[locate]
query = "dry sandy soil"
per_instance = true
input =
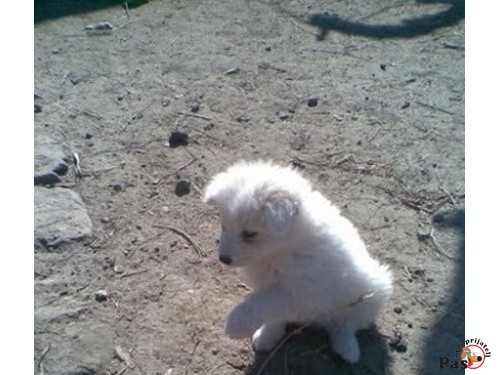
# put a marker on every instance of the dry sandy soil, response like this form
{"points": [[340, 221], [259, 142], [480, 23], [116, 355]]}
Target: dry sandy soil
{"points": [[366, 98]]}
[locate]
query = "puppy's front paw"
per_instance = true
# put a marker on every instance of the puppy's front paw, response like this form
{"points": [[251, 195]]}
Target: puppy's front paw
{"points": [[345, 343], [242, 322], [267, 336]]}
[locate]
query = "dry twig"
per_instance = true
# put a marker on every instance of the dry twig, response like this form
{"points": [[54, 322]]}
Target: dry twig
{"points": [[40, 365], [127, 274], [186, 236], [435, 244], [124, 356]]}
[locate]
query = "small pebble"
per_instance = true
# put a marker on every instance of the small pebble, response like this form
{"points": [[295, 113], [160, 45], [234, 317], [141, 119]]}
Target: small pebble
{"points": [[195, 105], [398, 310], [283, 115], [405, 105], [383, 67], [313, 102], [234, 70], [88, 136], [101, 296], [118, 269], [38, 108], [100, 26], [182, 187]]}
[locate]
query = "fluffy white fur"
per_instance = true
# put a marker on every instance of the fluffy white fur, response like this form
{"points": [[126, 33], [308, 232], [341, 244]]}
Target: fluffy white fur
{"points": [[305, 262]]}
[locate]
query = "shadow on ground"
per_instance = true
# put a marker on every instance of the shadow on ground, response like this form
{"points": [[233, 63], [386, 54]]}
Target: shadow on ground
{"points": [[309, 353], [406, 29], [446, 335], [51, 9]]}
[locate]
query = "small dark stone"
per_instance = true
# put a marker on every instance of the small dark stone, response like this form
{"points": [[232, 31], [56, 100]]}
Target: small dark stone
{"points": [[88, 136], [313, 102], [383, 67], [61, 169], [398, 310], [38, 108], [405, 105], [178, 138], [117, 187], [430, 280], [101, 296], [268, 49], [386, 219], [182, 187], [410, 325], [359, 143]]}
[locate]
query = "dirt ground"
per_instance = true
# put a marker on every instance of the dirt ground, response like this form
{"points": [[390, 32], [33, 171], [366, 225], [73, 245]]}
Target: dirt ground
{"points": [[366, 98]]}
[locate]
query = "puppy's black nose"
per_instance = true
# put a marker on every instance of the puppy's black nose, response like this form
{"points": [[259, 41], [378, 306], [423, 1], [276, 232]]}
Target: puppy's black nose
{"points": [[225, 259]]}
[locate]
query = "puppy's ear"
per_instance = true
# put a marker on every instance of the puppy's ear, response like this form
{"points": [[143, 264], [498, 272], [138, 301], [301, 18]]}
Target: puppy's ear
{"points": [[279, 208], [214, 188]]}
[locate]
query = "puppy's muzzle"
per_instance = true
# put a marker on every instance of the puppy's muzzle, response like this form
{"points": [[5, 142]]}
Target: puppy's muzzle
{"points": [[225, 259]]}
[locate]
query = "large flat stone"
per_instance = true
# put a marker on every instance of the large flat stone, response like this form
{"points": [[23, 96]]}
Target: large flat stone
{"points": [[83, 349], [49, 160], [60, 216]]}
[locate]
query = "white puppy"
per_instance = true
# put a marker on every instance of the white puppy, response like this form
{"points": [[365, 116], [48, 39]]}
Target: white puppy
{"points": [[305, 262]]}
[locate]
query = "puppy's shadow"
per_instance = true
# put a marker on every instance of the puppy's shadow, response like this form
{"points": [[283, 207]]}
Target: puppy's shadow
{"points": [[308, 352]]}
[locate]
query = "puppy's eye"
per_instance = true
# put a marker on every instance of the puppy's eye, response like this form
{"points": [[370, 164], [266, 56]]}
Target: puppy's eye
{"points": [[248, 235]]}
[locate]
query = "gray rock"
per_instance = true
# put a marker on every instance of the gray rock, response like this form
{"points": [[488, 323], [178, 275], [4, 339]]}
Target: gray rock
{"points": [[65, 309], [49, 160], [60, 216], [84, 348]]}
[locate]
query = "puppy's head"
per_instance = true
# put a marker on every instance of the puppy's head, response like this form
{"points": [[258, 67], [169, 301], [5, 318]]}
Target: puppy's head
{"points": [[256, 211]]}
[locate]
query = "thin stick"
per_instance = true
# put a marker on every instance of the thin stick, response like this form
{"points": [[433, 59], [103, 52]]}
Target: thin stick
{"points": [[124, 356], [186, 236], [125, 5], [195, 115], [438, 247], [184, 165], [278, 347], [40, 366], [76, 160], [132, 273]]}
